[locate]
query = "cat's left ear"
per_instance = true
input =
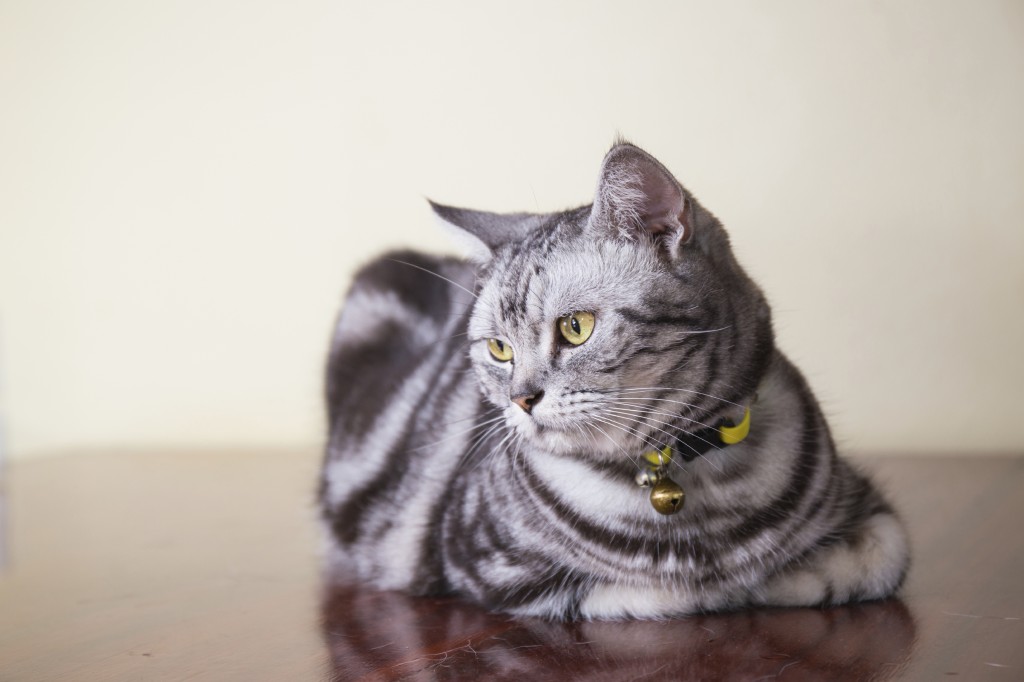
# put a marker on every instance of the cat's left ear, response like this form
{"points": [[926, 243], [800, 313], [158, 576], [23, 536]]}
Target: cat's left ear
{"points": [[638, 196], [481, 231]]}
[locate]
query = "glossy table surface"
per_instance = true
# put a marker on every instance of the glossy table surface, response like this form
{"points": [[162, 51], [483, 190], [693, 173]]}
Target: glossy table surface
{"points": [[203, 566]]}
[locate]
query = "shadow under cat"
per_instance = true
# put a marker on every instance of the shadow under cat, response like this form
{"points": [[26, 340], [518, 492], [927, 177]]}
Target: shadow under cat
{"points": [[373, 635]]}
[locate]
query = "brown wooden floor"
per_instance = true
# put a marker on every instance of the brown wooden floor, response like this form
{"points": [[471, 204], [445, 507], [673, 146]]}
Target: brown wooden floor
{"points": [[175, 566]]}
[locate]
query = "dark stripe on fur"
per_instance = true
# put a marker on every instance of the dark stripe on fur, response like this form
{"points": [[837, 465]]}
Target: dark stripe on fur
{"points": [[804, 469]]}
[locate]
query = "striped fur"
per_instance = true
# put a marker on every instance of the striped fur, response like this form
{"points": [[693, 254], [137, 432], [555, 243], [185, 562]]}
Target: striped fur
{"points": [[435, 482]]}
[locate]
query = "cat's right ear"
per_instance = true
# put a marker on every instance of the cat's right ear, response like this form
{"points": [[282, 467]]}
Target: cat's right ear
{"points": [[637, 195], [481, 232]]}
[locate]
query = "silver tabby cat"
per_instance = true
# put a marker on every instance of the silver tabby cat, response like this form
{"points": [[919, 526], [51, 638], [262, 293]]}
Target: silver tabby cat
{"points": [[489, 419]]}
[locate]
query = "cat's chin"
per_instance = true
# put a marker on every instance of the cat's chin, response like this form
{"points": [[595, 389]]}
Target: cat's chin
{"points": [[568, 440], [558, 442]]}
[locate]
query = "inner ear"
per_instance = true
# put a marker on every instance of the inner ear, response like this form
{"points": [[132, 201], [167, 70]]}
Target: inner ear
{"points": [[666, 211], [637, 194]]}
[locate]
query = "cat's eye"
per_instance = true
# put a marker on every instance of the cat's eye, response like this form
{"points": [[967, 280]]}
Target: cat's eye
{"points": [[499, 349], [576, 328]]}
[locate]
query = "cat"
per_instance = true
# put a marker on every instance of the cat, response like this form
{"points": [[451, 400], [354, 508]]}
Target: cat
{"points": [[589, 420]]}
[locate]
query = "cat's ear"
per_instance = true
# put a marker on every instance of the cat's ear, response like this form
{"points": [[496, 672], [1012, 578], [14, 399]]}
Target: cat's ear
{"points": [[482, 232], [638, 196]]}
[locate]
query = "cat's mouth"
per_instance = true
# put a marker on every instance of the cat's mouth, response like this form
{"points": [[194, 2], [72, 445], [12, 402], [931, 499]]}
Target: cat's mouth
{"points": [[566, 436], [543, 432]]}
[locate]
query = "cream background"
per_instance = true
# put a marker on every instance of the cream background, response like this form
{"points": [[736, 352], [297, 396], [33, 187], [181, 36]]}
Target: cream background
{"points": [[186, 187]]}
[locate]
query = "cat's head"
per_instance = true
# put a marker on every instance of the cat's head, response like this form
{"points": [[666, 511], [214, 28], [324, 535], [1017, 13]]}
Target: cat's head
{"points": [[613, 327]]}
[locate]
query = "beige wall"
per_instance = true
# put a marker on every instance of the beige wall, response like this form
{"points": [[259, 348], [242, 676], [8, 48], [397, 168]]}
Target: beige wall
{"points": [[185, 189]]}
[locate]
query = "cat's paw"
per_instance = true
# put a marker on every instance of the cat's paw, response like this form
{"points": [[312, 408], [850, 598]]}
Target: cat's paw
{"points": [[795, 588], [871, 565], [611, 601]]}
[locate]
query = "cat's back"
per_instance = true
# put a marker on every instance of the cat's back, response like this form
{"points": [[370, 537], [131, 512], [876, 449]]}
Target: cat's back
{"points": [[399, 310], [401, 400]]}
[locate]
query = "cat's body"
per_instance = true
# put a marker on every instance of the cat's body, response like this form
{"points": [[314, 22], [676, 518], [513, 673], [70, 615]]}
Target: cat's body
{"points": [[474, 449]]}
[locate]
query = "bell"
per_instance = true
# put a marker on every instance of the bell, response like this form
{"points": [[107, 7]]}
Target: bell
{"points": [[647, 477], [667, 496]]}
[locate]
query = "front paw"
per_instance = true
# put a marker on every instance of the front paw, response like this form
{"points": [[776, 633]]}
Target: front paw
{"points": [[795, 588], [616, 601]]}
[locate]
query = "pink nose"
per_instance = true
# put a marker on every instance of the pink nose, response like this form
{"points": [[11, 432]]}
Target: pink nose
{"points": [[528, 400]]}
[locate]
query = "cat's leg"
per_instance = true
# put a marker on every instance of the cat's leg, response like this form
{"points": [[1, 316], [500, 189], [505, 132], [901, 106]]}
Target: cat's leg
{"points": [[869, 564]]}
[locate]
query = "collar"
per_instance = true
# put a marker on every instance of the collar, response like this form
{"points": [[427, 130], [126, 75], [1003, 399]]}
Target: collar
{"points": [[690, 446], [667, 496]]}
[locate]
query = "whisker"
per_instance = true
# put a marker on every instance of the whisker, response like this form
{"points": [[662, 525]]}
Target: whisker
{"points": [[632, 458], [431, 272], [481, 425], [490, 413], [636, 413], [677, 442], [625, 405], [478, 443], [668, 388], [625, 429], [705, 331], [674, 438], [660, 400], [513, 437], [496, 422], [496, 451], [649, 440]]}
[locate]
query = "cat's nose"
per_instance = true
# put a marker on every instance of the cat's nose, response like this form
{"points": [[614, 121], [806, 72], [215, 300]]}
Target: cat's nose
{"points": [[528, 400]]}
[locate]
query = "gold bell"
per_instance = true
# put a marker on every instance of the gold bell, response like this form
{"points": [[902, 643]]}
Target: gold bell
{"points": [[667, 496]]}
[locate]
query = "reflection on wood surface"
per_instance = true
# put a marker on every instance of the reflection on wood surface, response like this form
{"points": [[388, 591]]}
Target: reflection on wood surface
{"points": [[391, 636]]}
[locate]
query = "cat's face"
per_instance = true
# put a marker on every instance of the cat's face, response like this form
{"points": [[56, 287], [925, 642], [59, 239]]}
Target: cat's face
{"points": [[541, 358], [592, 339]]}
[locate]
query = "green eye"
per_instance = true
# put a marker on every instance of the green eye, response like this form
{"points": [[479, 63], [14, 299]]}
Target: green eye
{"points": [[576, 328], [499, 349]]}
